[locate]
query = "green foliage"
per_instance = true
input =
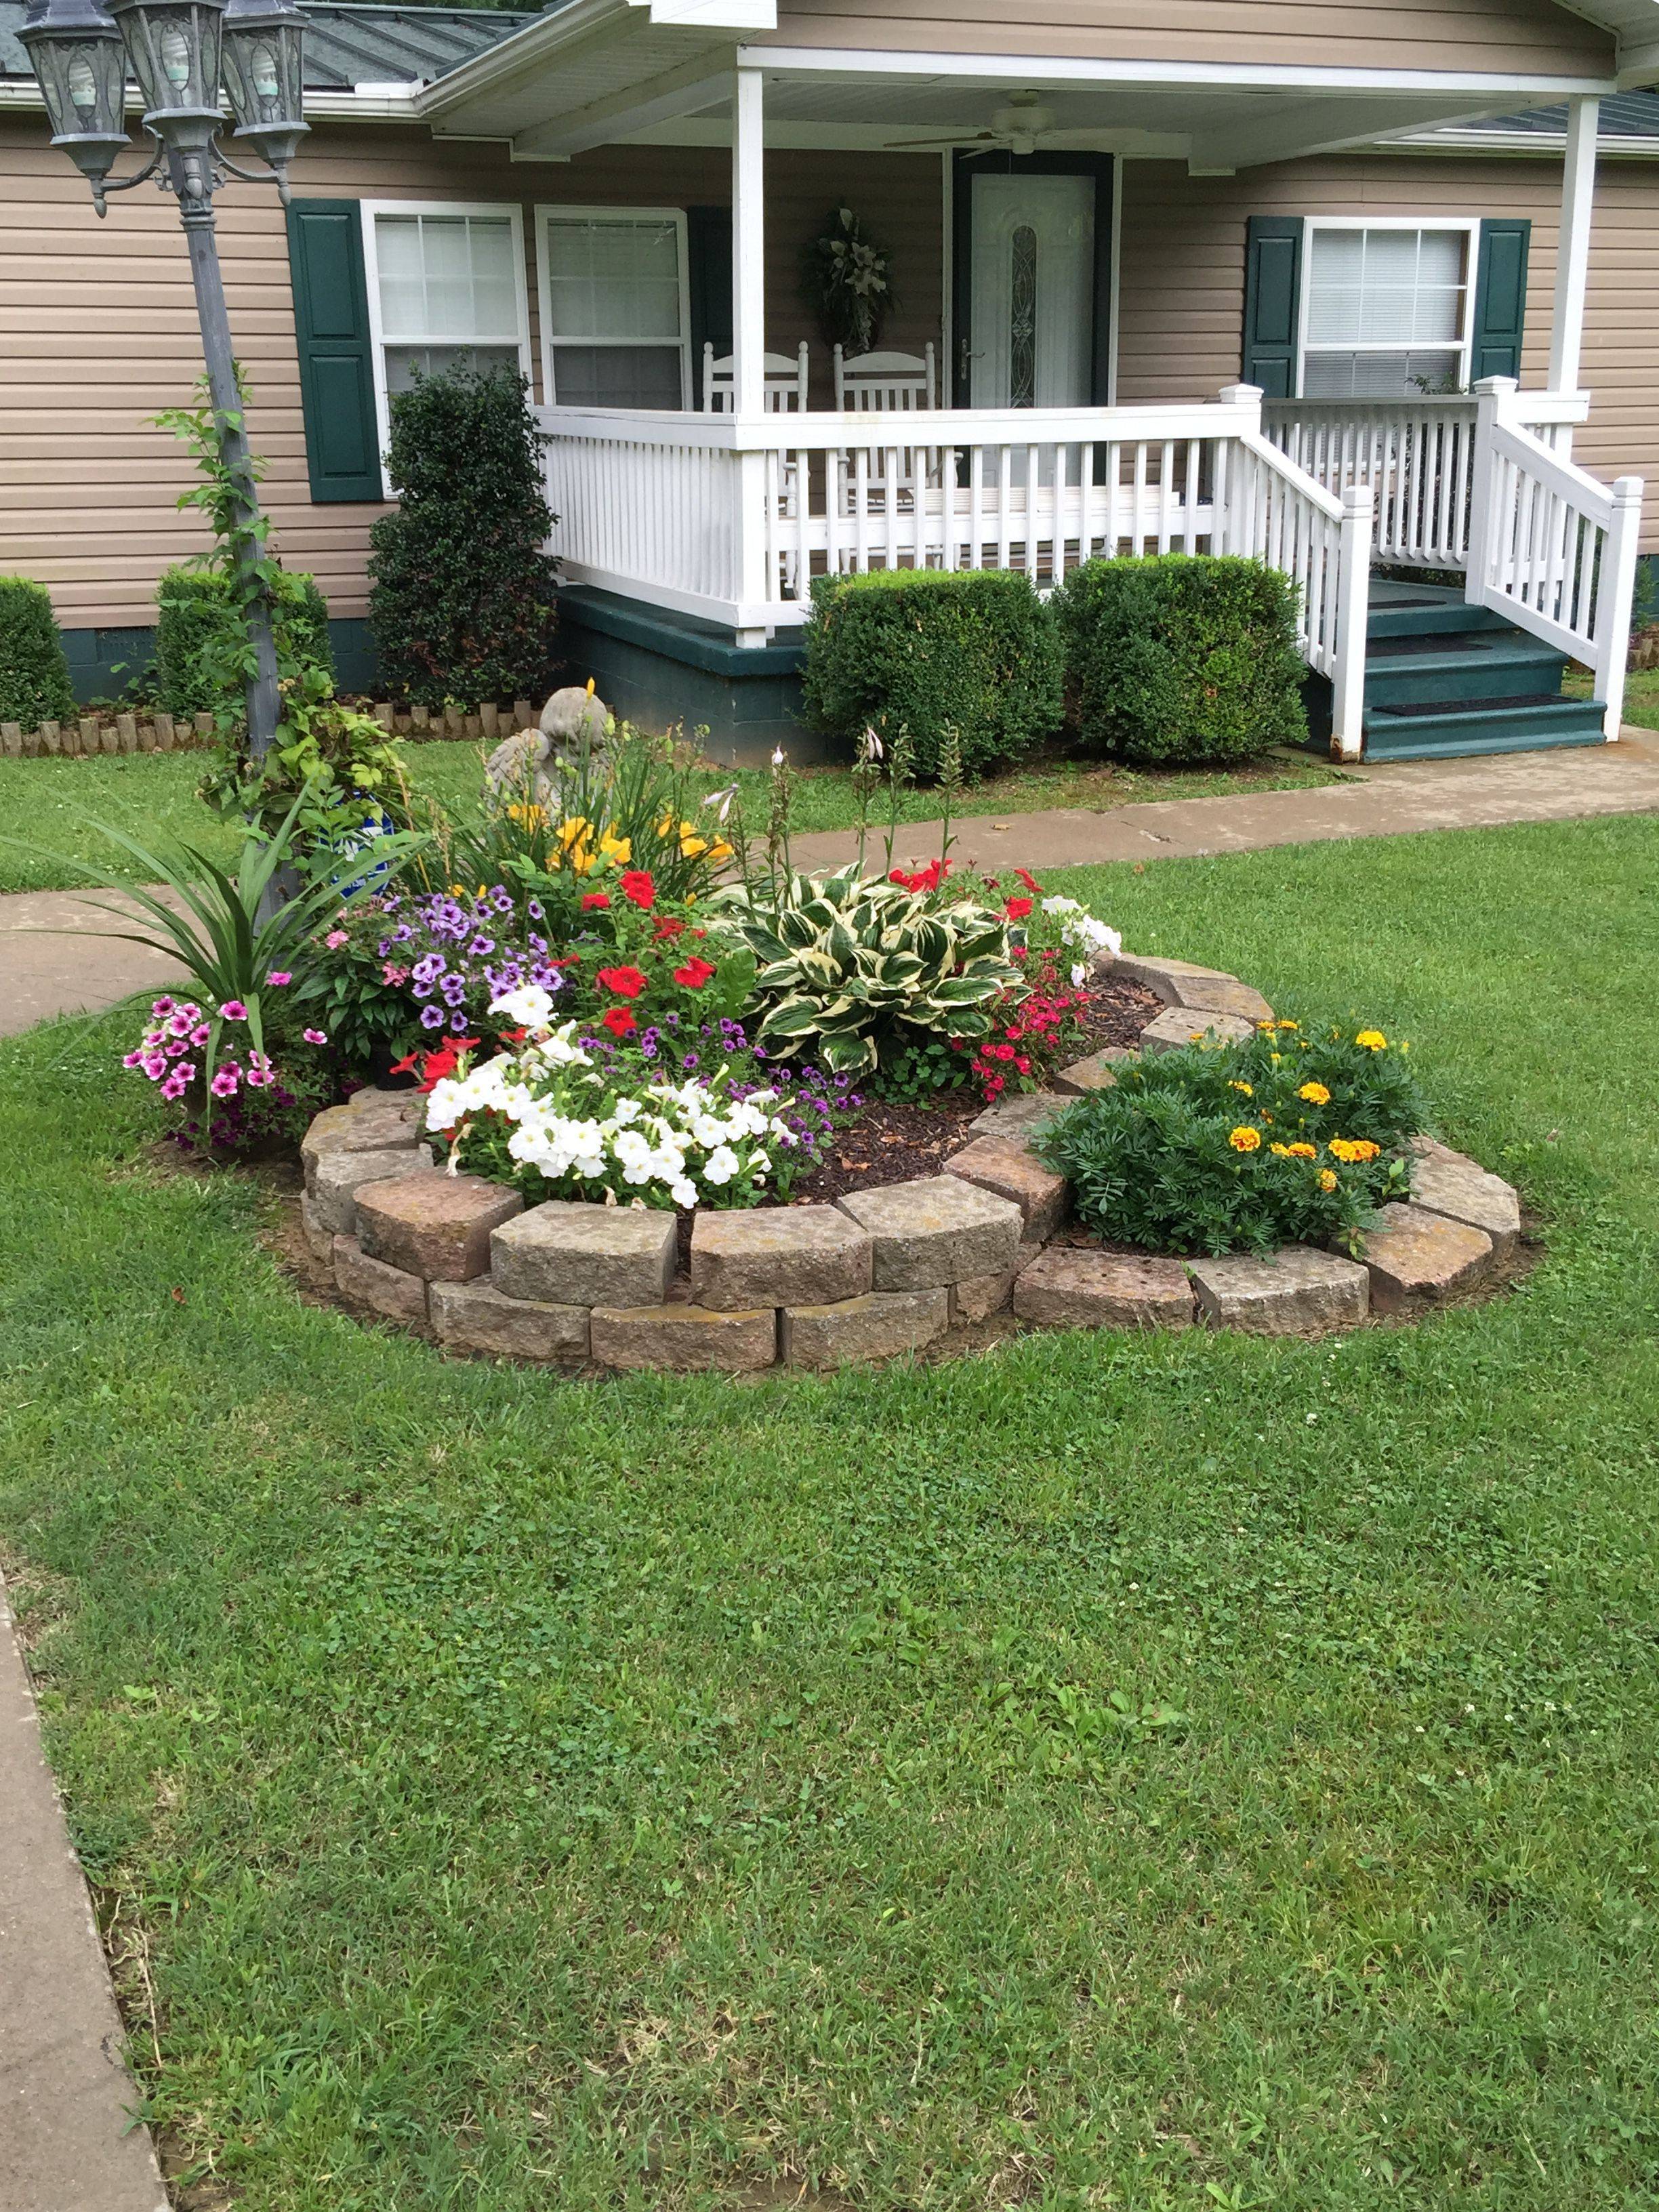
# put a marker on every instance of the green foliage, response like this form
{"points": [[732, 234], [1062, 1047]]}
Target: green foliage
{"points": [[853, 968], [847, 279], [34, 679], [974, 652], [339, 766], [461, 604], [228, 495], [197, 670], [1285, 1140], [1183, 657]]}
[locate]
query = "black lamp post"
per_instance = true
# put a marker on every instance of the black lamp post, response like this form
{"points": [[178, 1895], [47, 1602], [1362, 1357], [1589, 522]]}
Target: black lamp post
{"points": [[180, 50]]}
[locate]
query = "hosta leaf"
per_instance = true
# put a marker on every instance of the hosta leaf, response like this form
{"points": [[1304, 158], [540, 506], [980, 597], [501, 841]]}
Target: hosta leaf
{"points": [[791, 1018], [781, 975], [848, 1055], [795, 929], [964, 991]]}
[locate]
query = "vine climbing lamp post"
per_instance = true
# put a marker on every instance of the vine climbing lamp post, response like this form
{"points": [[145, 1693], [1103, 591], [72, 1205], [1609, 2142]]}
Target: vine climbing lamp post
{"points": [[181, 52]]}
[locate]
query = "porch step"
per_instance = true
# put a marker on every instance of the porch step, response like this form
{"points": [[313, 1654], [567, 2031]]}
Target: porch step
{"points": [[1444, 678]]}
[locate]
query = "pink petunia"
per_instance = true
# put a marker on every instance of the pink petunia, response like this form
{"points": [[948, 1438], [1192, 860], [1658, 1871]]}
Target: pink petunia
{"points": [[161, 1005], [232, 1011], [174, 1088], [316, 1037], [278, 977], [199, 1035], [224, 1083], [335, 939], [154, 1066]]}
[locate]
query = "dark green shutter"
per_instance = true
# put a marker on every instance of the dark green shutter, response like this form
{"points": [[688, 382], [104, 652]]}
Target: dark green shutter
{"points": [[708, 280], [1500, 297], [336, 376], [1273, 302]]}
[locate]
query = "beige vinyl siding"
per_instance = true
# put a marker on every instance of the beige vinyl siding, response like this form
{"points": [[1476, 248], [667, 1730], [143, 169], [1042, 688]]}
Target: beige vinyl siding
{"points": [[1181, 278], [98, 332], [1530, 35]]}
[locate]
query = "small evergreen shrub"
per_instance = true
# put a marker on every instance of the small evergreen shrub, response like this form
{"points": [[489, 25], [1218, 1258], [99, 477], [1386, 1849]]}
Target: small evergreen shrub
{"points": [[1183, 657], [975, 650], [1289, 1139], [461, 604], [34, 681], [192, 612]]}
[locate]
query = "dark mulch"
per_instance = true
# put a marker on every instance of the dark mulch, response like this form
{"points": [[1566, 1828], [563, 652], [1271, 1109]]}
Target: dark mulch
{"points": [[893, 1140]]}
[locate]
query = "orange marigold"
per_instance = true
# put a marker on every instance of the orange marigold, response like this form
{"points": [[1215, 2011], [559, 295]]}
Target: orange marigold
{"points": [[1316, 1094], [1353, 1149], [1328, 1178], [1245, 1139]]}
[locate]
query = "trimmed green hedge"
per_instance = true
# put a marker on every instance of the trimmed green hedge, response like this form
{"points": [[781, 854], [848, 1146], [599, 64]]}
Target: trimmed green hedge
{"points": [[1183, 657], [34, 679], [191, 607], [975, 650]]}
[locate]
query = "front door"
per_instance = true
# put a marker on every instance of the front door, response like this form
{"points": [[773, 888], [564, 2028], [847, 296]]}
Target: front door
{"points": [[1031, 311]]}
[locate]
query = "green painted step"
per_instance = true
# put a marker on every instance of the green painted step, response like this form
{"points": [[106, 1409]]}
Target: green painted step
{"points": [[1489, 727], [1424, 609], [1481, 665]]}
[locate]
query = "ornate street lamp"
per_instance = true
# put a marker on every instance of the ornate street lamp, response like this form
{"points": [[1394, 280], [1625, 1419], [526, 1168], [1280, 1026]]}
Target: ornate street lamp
{"points": [[179, 51]]}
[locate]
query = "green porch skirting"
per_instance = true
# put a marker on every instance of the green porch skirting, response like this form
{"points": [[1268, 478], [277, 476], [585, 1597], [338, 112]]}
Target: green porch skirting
{"points": [[102, 662], [667, 672]]}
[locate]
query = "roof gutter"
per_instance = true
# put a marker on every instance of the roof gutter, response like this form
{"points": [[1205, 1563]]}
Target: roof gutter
{"points": [[529, 51]]}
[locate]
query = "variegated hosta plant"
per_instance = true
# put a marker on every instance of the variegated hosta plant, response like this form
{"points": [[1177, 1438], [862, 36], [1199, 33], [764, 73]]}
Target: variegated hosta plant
{"points": [[849, 964]]}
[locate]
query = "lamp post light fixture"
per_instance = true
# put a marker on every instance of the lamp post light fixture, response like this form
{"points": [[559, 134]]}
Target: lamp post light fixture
{"points": [[181, 51]]}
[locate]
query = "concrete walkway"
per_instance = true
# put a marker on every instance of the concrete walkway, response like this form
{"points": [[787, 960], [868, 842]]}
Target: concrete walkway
{"points": [[66, 2142], [1371, 802]]}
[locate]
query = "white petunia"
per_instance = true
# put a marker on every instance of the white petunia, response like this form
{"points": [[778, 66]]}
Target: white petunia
{"points": [[721, 1165]]}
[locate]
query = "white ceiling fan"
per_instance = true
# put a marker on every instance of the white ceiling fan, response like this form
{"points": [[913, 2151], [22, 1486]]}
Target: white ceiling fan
{"points": [[1024, 125]]}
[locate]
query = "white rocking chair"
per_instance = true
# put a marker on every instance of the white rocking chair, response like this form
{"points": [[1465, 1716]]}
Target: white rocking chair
{"points": [[784, 386], [885, 383]]}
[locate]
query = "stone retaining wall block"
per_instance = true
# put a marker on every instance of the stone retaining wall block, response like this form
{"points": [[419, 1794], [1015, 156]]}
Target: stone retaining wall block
{"points": [[568, 1253], [1295, 1290], [935, 1231], [778, 1257], [1179, 1026], [436, 1225], [371, 1283], [1006, 1168], [685, 1338], [1419, 1260], [875, 1327], [1074, 1286], [474, 1316], [333, 1185]]}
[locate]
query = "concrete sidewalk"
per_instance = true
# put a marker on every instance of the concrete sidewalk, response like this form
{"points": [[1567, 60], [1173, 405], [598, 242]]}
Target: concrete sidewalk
{"points": [[1370, 802], [43, 972], [66, 2142]]}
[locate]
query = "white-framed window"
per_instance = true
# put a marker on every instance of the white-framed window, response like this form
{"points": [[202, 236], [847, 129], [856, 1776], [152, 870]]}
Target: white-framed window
{"points": [[1388, 306], [616, 307], [446, 283]]}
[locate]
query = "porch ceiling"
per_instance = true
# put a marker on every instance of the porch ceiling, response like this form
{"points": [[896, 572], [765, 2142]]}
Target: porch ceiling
{"points": [[594, 72]]}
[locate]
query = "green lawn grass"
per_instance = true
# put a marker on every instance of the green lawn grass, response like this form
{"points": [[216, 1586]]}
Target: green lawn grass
{"points": [[638, 1795], [151, 795]]}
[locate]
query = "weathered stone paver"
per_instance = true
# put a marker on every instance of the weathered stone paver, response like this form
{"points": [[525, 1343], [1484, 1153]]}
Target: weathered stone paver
{"points": [[1451, 1184], [1184, 1025], [1008, 1168], [686, 1337], [935, 1231], [778, 1257], [1097, 1072], [474, 1316], [567, 1253], [1018, 1115], [334, 1180], [435, 1225], [1297, 1290], [982, 1296], [1215, 994], [388, 1290], [1418, 1260], [875, 1327], [378, 1126], [1073, 1286]]}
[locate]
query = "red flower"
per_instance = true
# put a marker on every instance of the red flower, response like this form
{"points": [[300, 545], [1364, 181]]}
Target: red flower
{"points": [[1018, 908], [666, 927], [618, 1021], [1029, 881], [435, 1066], [636, 885], [694, 974], [1002, 1052], [513, 1036], [924, 879], [626, 983], [591, 899]]}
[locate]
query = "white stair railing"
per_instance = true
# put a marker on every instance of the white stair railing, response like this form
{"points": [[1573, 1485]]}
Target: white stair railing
{"points": [[1550, 547]]}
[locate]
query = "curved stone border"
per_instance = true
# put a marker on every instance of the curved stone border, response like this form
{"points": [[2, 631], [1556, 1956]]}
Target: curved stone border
{"points": [[880, 1272]]}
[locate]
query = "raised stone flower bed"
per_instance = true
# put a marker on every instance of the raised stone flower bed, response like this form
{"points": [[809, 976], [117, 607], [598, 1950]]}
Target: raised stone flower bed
{"points": [[885, 1270]]}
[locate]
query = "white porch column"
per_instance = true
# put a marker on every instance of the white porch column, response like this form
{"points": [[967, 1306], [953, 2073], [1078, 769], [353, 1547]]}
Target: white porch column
{"points": [[749, 328], [1572, 251]]}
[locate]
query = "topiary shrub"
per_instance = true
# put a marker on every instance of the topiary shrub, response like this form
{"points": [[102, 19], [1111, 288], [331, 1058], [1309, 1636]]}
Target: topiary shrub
{"points": [[192, 612], [462, 603], [34, 681], [928, 650], [1183, 657]]}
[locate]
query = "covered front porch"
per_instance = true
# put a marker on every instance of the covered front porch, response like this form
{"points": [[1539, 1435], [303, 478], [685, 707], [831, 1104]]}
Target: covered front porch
{"points": [[1014, 449]]}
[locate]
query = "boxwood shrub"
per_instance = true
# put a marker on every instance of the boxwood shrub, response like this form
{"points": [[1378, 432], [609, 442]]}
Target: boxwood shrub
{"points": [[1183, 657], [190, 610], [973, 649], [35, 680]]}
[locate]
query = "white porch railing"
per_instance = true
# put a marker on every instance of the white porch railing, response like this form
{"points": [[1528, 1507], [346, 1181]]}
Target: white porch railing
{"points": [[1549, 546], [732, 519], [1418, 456]]}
